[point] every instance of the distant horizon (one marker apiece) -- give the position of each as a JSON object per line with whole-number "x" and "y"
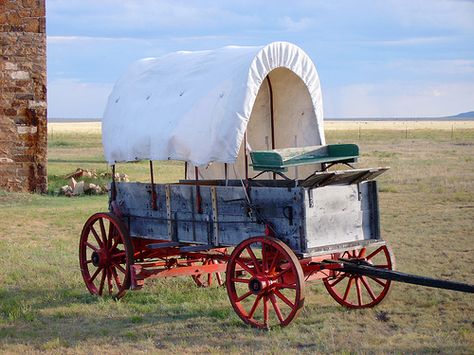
{"x": 425, "y": 118}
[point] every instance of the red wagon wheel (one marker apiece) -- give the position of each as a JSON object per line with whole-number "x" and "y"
{"x": 105, "y": 255}
{"x": 265, "y": 283}
{"x": 359, "y": 291}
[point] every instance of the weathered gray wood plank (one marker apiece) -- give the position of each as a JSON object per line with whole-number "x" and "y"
{"x": 338, "y": 214}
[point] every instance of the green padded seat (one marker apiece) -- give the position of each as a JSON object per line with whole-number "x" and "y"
{"x": 279, "y": 160}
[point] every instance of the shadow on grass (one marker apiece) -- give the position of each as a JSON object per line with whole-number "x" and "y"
{"x": 67, "y": 317}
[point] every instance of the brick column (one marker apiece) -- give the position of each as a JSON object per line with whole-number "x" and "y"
{"x": 23, "y": 131}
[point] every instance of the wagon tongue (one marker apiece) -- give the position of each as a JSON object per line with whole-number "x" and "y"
{"x": 360, "y": 267}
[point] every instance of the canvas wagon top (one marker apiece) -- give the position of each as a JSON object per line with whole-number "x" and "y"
{"x": 200, "y": 107}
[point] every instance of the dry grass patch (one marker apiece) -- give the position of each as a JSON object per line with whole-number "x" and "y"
{"x": 427, "y": 206}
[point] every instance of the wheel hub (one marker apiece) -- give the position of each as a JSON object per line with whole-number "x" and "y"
{"x": 257, "y": 285}
{"x": 99, "y": 258}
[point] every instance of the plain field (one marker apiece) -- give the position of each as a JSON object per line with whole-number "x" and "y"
{"x": 95, "y": 127}
{"x": 427, "y": 216}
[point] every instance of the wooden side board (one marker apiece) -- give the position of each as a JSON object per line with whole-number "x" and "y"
{"x": 303, "y": 218}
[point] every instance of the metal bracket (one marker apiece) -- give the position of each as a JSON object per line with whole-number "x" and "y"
{"x": 215, "y": 222}
{"x": 168, "y": 211}
{"x": 310, "y": 198}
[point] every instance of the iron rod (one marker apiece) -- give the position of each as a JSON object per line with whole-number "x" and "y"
{"x": 198, "y": 191}
{"x": 154, "y": 205}
{"x": 114, "y": 189}
{"x": 406, "y": 278}
{"x": 272, "y": 121}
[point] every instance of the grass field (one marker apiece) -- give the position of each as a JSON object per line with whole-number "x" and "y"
{"x": 427, "y": 207}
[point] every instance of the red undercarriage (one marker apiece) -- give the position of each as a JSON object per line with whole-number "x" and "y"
{"x": 170, "y": 262}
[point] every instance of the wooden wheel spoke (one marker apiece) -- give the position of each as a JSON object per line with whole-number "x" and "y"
{"x": 254, "y": 258}
{"x": 380, "y": 282}
{"x": 362, "y": 253}
{"x": 115, "y": 243}
{"x": 245, "y": 267}
{"x": 281, "y": 273}
{"x": 276, "y": 308}
{"x": 368, "y": 288}
{"x": 339, "y": 279}
{"x": 265, "y": 311}
{"x": 237, "y": 279}
{"x": 283, "y": 298}
{"x": 375, "y": 252}
{"x": 244, "y": 296}
{"x": 255, "y": 305}
{"x": 109, "y": 280}
{"x": 102, "y": 230}
{"x": 102, "y": 281}
{"x": 96, "y": 236}
{"x": 120, "y": 268}
{"x": 92, "y": 278}
{"x": 279, "y": 286}
{"x": 116, "y": 277}
{"x": 348, "y": 288}
{"x": 110, "y": 234}
{"x": 91, "y": 246}
{"x": 359, "y": 292}
{"x": 273, "y": 265}
{"x": 264, "y": 258}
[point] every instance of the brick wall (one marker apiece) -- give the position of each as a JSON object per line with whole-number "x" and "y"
{"x": 23, "y": 134}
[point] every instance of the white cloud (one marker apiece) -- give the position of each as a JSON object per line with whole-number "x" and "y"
{"x": 76, "y": 39}
{"x": 146, "y": 16}
{"x": 71, "y": 98}
{"x": 295, "y": 25}
{"x": 434, "y": 13}
{"x": 414, "y": 41}
{"x": 436, "y": 68}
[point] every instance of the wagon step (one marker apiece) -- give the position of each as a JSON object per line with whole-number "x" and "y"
{"x": 194, "y": 248}
{"x": 163, "y": 245}
{"x": 183, "y": 248}
{"x": 363, "y": 268}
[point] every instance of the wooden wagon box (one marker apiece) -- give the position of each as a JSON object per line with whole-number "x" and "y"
{"x": 310, "y": 220}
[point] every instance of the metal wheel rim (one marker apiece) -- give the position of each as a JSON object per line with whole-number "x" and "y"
{"x": 278, "y": 262}
{"x": 359, "y": 291}
{"x": 105, "y": 235}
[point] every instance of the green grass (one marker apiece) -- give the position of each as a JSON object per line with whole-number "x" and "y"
{"x": 427, "y": 216}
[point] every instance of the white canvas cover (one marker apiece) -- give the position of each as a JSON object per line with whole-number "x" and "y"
{"x": 195, "y": 106}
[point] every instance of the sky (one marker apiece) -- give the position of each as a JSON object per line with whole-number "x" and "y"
{"x": 412, "y": 58}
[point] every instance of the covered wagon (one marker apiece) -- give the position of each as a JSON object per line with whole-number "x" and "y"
{"x": 259, "y": 200}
